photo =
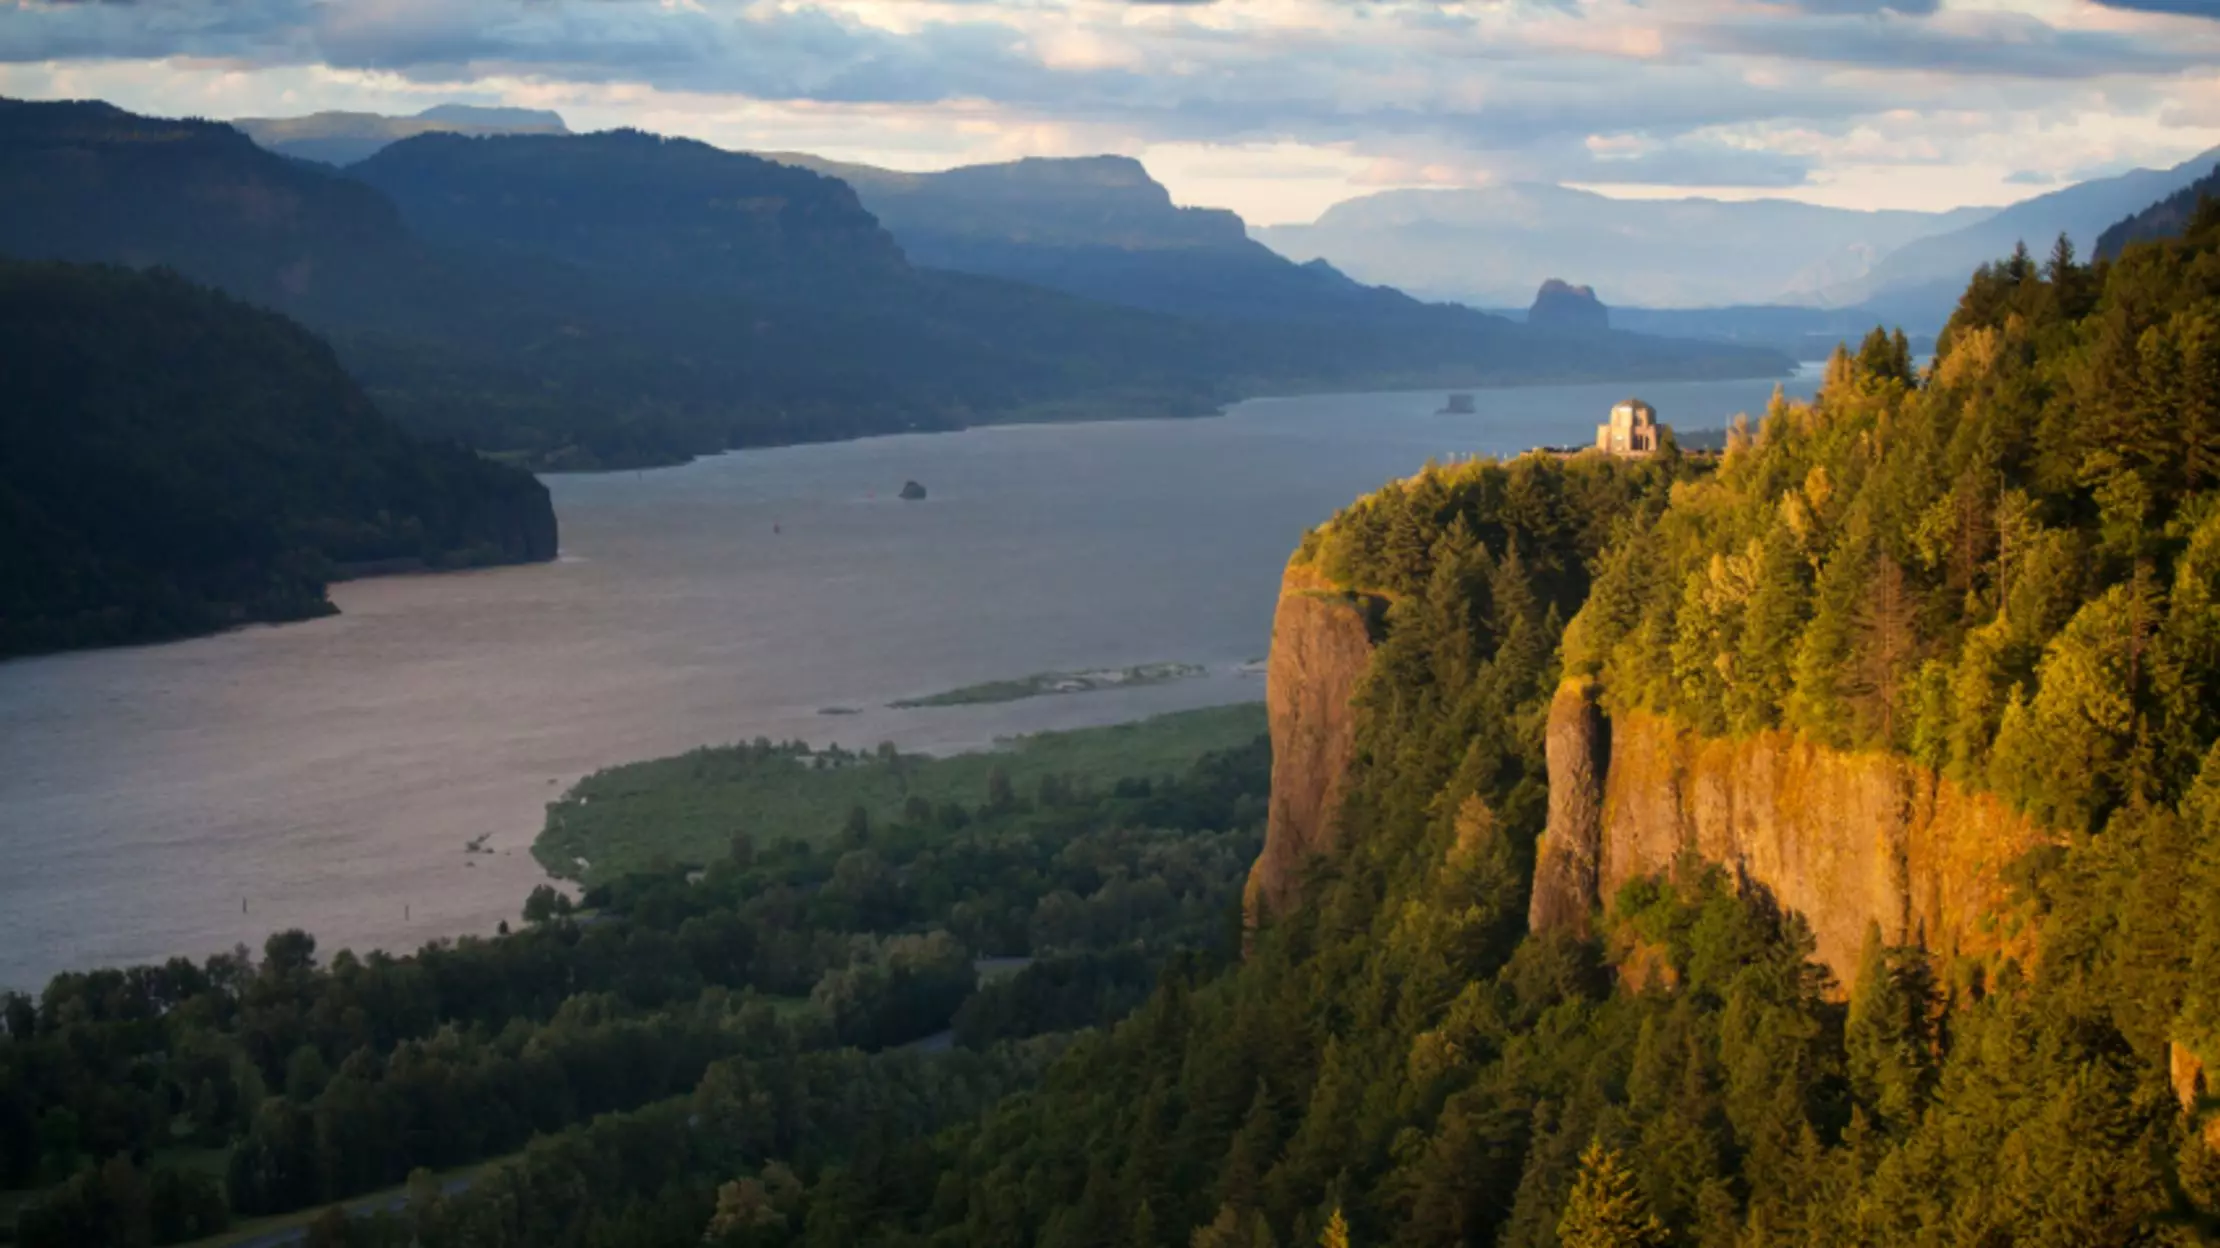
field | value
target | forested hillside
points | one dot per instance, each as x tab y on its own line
505	349
2165	219
1062	269
2000	568
748	1013
522	306
2001	572
179	461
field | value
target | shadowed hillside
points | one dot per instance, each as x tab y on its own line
179	461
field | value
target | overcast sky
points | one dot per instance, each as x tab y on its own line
1275	108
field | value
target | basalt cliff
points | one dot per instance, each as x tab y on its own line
1841	839
1321	646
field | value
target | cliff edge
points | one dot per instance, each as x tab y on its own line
1842	839
1321	646
1567	861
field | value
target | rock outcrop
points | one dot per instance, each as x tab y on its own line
1566	862
1568	308
1842	839
1321	646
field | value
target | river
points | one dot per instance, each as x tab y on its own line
327	775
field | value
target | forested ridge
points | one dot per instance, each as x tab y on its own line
178	461
497	292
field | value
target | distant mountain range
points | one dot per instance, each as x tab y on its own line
1493	246
1920	281
1704	267
2167	218
1780	273
620	298
343	138
1101	227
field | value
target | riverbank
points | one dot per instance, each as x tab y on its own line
690	808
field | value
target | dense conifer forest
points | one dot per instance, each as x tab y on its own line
766	994
179	461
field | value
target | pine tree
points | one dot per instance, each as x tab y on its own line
1605	1209
1885	1039
1336	1234
1255	1147
1886	650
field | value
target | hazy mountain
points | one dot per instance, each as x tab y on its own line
636	204
1805	333
511	349
2165	219
1101	227
677	213
1919	283
597	300
1493	246
338	138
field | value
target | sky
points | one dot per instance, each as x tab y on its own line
1274	108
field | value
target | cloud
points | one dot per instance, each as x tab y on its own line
1991	43
1836	7
1695	93
1691	164
2182	8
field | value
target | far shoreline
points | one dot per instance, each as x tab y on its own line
1027	419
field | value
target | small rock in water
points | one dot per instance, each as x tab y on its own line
912	491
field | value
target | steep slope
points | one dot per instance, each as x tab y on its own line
1247	320
1100	227
2167	218
1919	282
713	300
180	462
1843	841
629	203
1321	648
340	138
1492	246
1907	698
565	363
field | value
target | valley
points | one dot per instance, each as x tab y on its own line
774	626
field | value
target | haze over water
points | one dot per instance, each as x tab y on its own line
329	774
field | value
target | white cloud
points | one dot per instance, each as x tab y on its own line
1268	106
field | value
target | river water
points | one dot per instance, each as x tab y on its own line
327	775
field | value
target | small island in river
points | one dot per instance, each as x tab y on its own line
1045	683
912	492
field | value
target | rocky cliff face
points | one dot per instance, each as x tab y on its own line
1569	857
1841	839
1321	647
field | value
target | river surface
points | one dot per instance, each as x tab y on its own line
185	797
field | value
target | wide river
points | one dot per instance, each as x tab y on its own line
327	775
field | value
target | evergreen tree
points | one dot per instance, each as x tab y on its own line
1885	1039
1606	1210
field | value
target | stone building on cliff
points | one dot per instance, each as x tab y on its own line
1633	430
